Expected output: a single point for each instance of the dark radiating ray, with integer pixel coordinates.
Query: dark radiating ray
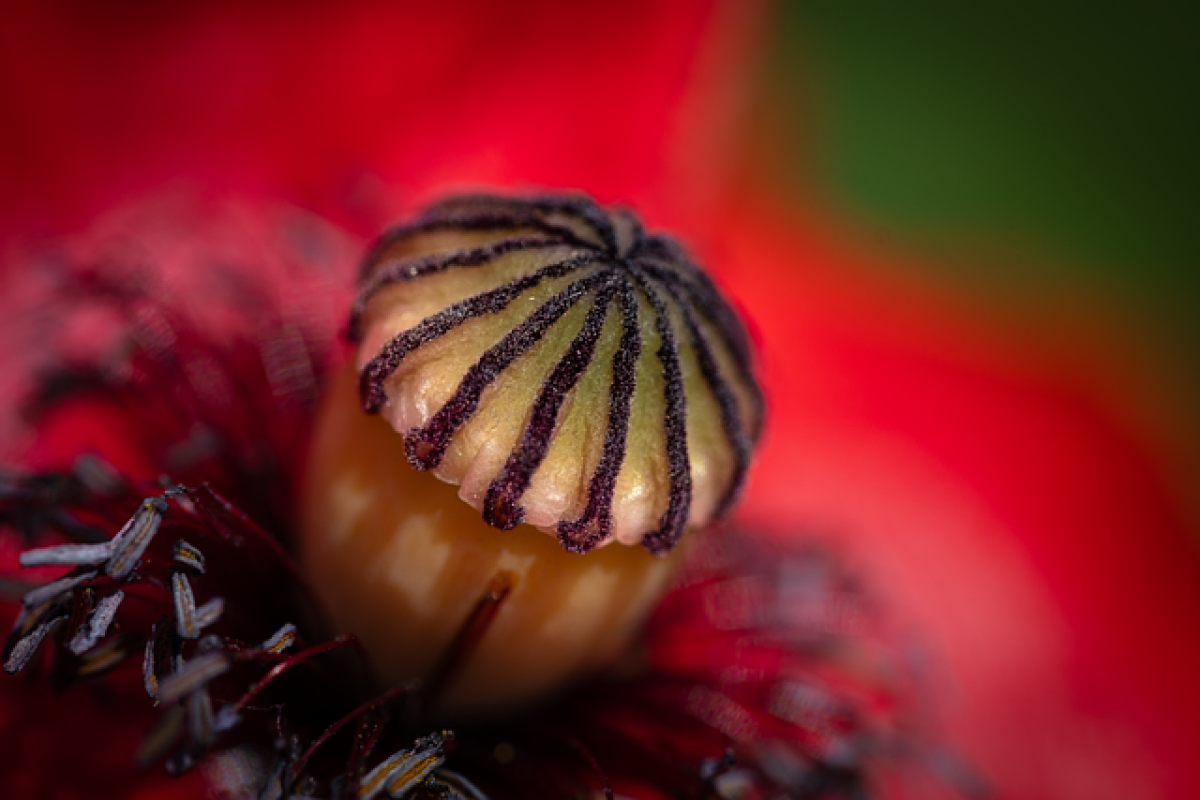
(501, 507)
(387, 360)
(660, 253)
(679, 503)
(705, 296)
(506, 219)
(665, 248)
(426, 446)
(580, 207)
(730, 415)
(586, 210)
(636, 234)
(595, 523)
(413, 268)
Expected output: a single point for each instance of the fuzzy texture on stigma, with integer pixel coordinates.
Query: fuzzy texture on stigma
(567, 369)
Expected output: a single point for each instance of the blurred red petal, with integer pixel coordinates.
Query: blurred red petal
(327, 102)
(1029, 534)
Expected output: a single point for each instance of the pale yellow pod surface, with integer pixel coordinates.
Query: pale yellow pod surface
(400, 561)
(568, 372)
(561, 366)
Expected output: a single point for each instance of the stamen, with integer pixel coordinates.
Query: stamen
(72, 555)
(98, 476)
(149, 679)
(107, 656)
(460, 787)
(184, 603)
(42, 594)
(338, 642)
(96, 626)
(132, 540)
(371, 714)
(187, 555)
(27, 645)
(163, 735)
(198, 672)
(405, 769)
(200, 718)
(281, 640)
(207, 614)
(366, 736)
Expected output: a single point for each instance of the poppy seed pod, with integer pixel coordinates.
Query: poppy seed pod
(567, 371)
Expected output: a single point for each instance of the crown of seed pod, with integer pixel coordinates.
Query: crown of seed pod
(569, 370)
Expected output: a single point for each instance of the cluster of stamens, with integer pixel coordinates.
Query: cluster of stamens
(182, 663)
(631, 350)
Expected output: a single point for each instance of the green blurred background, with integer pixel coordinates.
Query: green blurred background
(1047, 149)
(1074, 127)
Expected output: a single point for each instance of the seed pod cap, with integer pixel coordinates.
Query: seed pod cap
(567, 369)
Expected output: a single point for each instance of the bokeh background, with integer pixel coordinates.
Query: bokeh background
(965, 238)
(1040, 156)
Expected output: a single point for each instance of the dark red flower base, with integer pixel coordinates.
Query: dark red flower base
(184, 637)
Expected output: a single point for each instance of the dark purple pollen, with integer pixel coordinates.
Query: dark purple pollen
(500, 507)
